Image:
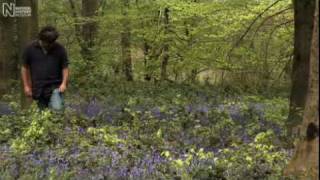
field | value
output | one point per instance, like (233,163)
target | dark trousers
(42,96)
(42,102)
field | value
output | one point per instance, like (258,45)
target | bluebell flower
(189,108)
(156,112)
(135,172)
(245,138)
(203,109)
(122,172)
(93,109)
(81,130)
(5,109)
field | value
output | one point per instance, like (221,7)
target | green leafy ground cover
(173,132)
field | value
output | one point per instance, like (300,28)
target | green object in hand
(56,101)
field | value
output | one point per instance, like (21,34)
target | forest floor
(148,132)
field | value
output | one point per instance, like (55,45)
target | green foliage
(43,127)
(204,39)
(176,129)
(105,135)
(192,140)
(257,160)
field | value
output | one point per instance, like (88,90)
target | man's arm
(26,79)
(65,77)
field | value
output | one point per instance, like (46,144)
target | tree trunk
(165,58)
(305,162)
(89,29)
(8,68)
(304,15)
(27,29)
(146,48)
(125,42)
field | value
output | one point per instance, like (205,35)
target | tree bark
(146,49)
(89,29)
(304,20)
(125,42)
(305,162)
(8,68)
(27,29)
(165,58)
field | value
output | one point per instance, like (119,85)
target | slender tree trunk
(305,162)
(194,71)
(304,13)
(27,29)
(77,27)
(89,29)
(125,42)
(165,58)
(8,68)
(146,49)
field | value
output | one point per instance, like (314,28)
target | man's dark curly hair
(48,34)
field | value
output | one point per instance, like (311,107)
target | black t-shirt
(46,68)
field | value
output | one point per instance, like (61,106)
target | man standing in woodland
(44,67)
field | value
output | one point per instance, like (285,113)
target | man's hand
(27,91)
(62,88)
(65,75)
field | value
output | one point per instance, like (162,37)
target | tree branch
(250,26)
(268,18)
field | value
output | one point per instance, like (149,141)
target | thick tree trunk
(27,26)
(125,42)
(8,68)
(165,58)
(305,162)
(27,29)
(304,19)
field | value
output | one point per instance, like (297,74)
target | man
(44,67)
